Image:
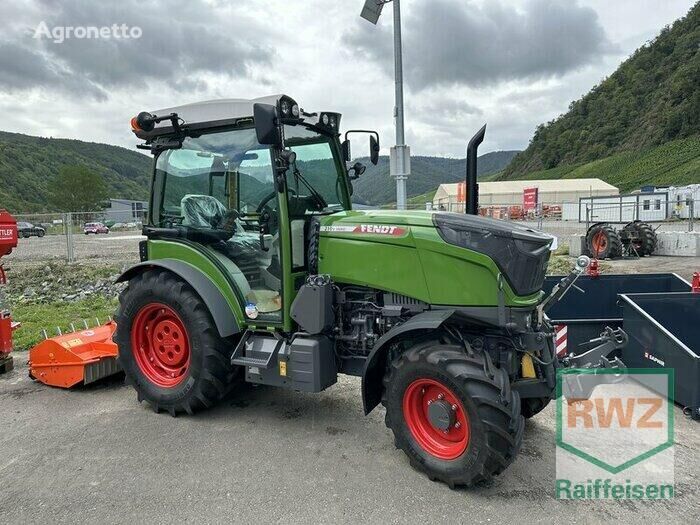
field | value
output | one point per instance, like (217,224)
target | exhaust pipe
(472,204)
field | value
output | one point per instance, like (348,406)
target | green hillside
(27,164)
(651,100)
(377,187)
(675,163)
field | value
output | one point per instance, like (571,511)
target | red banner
(530,198)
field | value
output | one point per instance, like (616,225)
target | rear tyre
(603,242)
(646,238)
(454,416)
(169,346)
(41,233)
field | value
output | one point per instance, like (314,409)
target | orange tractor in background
(8,241)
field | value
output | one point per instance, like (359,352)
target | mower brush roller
(76,357)
(256,268)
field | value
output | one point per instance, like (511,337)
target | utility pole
(400,154)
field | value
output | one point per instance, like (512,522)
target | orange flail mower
(76,357)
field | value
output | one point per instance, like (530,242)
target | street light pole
(400,154)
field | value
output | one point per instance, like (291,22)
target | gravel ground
(266,455)
(116,246)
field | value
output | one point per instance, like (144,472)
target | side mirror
(373,145)
(358,169)
(267,125)
(374,149)
(345,147)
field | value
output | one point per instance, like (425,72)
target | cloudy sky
(509,63)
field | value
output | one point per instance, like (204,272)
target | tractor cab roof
(214,113)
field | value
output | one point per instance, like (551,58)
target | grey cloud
(181,43)
(449,42)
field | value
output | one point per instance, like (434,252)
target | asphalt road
(266,455)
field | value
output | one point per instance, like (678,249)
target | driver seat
(202,211)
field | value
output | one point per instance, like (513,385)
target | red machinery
(77,357)
(8,241)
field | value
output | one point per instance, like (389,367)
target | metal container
(664,332)
(587,313)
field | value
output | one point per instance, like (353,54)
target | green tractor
(257,269)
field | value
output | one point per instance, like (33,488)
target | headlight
(288,108)
(329,119)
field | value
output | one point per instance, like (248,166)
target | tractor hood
(520,254)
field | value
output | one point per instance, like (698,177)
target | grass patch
(35,317)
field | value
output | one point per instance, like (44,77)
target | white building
(648,207)
(682,198)
(553,192)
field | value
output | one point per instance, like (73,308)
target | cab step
(257,350)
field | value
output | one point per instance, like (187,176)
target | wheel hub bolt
(458,424)
(454,407)
(441,396)
(430,401)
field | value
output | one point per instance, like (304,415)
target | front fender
(375,366)
(221,312)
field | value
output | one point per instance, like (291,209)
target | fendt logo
(380,229)
(374,229)
(614,434)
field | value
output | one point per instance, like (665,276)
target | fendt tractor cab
(256,268)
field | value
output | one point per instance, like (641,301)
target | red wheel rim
(160,345)
(443,443)
(600,242)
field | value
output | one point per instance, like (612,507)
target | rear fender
(375,366)
(219,308)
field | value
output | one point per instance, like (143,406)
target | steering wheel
(269,197)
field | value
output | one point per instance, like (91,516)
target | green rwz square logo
(614,434)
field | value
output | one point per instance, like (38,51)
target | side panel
(366,262)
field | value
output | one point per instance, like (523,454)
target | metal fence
(66,236)
(77,236)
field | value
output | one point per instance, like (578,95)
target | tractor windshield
(317,177)
(211,174)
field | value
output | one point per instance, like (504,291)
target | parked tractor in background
(256,268)
(635,239)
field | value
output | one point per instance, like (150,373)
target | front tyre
(169,346)
(455,416)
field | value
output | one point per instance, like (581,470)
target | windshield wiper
(316,195)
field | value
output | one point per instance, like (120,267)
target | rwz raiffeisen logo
(614,434)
